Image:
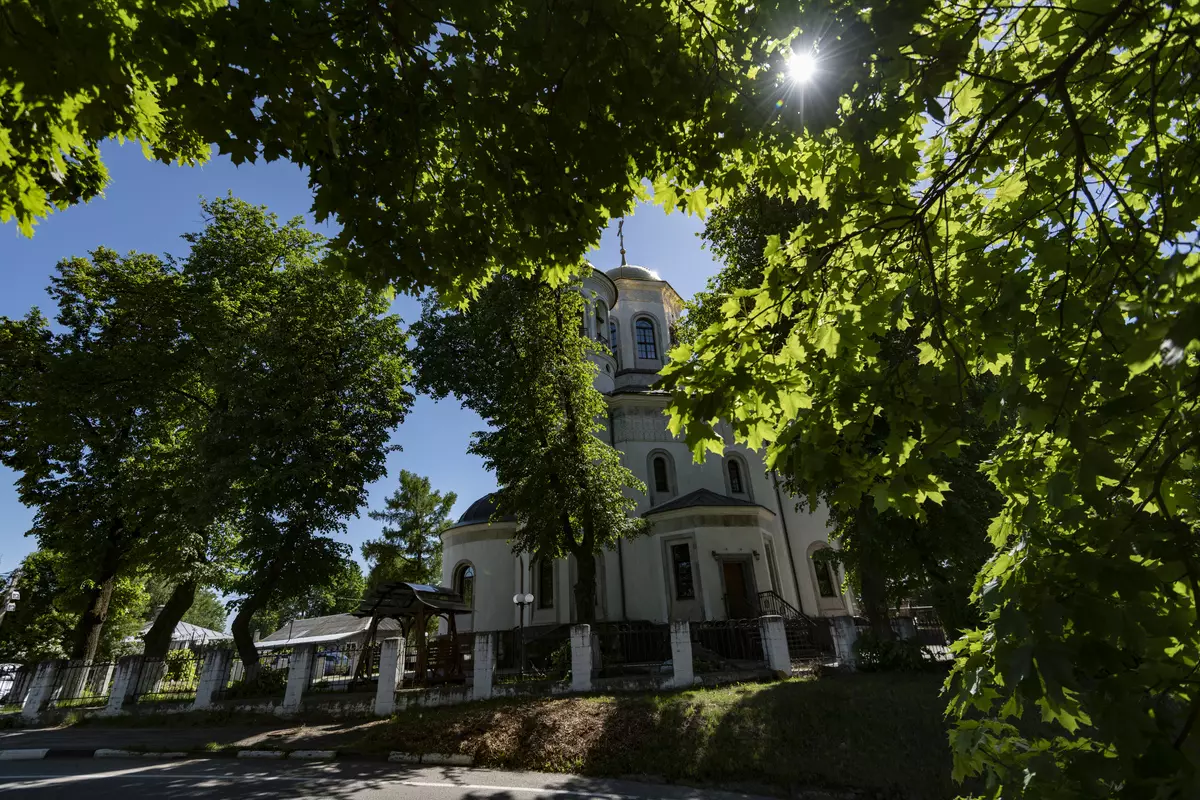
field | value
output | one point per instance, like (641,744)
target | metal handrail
(770,602)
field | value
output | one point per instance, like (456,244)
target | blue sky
(148,206)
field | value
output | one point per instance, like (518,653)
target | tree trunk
(585,589)
(871,577)
(243,637)
(86,639)
(158,638)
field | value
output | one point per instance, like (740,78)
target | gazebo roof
(404,599)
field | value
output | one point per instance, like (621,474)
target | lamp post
(522,600)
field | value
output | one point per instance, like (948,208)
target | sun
(802,67)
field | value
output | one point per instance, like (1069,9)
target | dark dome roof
(634,273)
(480,511)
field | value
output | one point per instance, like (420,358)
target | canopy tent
(413,605)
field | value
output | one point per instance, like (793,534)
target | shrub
(268,683)
(180,665)
(873,654)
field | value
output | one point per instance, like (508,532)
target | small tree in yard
(410,548)
(519,360)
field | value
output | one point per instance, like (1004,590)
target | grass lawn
(876,735)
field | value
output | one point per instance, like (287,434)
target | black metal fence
(267,680)
(170,679)
(808,639)
(546,654)
(732,644)
(344,668)
(632,648)
(78,684)
(931,633)
(14,684)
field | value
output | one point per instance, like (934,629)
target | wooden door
(737,595)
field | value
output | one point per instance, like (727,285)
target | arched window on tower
(647,346)
(601,321)
(662,477)
(464,583)
(737,478)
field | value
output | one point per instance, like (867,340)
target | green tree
(410,548)
(304,373)
(341,592)
(414,121)
(890,558)
(1013,189)
(90,419)
(207,611)
(52,598)
(519,360)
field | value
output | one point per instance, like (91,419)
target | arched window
(662,477)
(647,346)
(661,482)
(601,321)
(826,577)
(737,477)
(464,582)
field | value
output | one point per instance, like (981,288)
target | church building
(726,541)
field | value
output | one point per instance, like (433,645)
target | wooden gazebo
(413,605)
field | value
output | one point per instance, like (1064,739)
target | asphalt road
(124,779)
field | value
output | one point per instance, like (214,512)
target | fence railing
(270,679)
(344,667)
(170,679)
(809,639)
(82,685)
(727,644)
(931,633)
(546,654)
(631,648)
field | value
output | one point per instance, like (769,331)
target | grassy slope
(880,733)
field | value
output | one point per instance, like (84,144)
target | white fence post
(43,686)
(299,670)
(581,658)
(124,684)
(775,646)
(391,668)
(845,634)
(214,675)
(681,654)
(483,663)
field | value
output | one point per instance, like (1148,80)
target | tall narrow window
(646,345)
(612,337)
(772,567)
(464,584)
(826,582)
(681,564)
(545,574)
(661,482)
(601,321)
(735,477)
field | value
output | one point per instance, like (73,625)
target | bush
(873,654)
(268,683)
(180,665)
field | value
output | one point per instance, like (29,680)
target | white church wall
(487,549)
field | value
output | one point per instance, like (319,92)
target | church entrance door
(737,590)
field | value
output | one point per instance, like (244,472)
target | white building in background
(725,541)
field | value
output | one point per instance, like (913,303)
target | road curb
(394,757)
